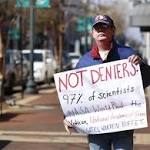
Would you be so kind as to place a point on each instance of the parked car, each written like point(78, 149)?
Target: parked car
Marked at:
point(44, 64)
point(16, 70)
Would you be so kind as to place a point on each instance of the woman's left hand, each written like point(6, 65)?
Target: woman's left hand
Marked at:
point(135, 59)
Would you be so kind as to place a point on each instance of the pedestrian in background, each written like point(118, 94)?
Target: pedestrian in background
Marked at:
point(106, 49)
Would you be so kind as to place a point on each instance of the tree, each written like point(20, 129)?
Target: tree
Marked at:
point(115, 12)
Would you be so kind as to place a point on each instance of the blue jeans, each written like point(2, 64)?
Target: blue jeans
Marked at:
point(119, 141)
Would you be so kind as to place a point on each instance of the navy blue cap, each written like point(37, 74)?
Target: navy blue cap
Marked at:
point(103, 19)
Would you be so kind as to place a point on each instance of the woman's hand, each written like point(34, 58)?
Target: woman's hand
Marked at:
point(135, 59)
point(69, 128)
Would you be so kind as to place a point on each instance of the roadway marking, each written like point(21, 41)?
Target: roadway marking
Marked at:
point(59, 137)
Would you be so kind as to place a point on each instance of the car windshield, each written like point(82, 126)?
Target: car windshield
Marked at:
point(36, 57)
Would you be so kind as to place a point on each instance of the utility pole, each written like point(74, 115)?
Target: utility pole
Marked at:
point(31, 85)
point(60, 35)
point(86, 22)
point(20, 47)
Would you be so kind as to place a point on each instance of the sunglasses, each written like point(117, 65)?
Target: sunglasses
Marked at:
point(102, 26)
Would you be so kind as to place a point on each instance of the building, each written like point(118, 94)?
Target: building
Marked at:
point(139, 17)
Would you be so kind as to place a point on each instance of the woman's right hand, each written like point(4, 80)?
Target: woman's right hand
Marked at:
point(69, 128)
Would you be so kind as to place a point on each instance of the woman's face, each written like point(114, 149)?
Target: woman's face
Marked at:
point(103, 32)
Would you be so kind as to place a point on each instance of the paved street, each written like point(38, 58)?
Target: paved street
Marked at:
point(35, 122)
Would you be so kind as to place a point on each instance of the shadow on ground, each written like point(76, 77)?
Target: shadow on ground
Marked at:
point(3, 144)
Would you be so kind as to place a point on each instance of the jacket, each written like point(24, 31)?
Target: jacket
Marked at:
point(118, 52)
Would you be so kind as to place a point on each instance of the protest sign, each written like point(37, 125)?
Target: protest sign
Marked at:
point(103, 98)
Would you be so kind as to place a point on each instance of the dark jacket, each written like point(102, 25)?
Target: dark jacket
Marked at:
point(117, 52)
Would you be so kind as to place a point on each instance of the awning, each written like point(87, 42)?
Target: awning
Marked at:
point(140, 15)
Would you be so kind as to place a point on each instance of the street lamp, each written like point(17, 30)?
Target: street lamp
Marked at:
point(31, 85)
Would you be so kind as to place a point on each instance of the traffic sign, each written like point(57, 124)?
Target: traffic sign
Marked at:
point(38, 3)
point(23, 3)
point(42, 3)
point(81, 24)
point(84, 24)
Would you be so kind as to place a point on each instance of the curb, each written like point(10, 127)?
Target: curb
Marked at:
point(60, 137)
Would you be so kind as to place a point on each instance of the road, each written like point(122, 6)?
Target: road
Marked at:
point(35, 122)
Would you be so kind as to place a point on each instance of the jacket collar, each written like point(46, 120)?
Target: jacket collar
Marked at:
point(95, 52)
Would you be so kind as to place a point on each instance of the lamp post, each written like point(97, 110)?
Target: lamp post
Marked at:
point(31, 85)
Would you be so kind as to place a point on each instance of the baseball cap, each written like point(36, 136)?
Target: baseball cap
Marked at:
point(103, 19)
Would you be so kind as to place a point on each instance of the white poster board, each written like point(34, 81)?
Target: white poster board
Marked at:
point(103, 98)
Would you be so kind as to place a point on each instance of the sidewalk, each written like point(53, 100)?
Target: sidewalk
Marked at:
point(45, 105)
point(38, 118)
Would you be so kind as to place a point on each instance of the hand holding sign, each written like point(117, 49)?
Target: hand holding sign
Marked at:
point(134, 59)
point(69, 128)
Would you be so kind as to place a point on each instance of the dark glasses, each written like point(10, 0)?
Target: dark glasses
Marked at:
point(101, 26)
